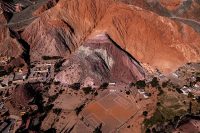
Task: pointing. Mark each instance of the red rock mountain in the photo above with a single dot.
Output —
(156, 41)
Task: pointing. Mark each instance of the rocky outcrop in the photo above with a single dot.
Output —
(151, 39)
(97, 61)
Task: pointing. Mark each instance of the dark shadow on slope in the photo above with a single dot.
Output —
(122, 49)
(128, 54)
(26, 53)
(26, 48)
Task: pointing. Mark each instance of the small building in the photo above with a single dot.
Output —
(112, 84)
(141, 91)
(146, 95)
(193, 79)
(112, 90)
(186, 90)
(19, 76)
(175, 75)
(1, 105)
(197, 85)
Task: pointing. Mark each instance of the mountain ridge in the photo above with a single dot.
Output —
(119, 18)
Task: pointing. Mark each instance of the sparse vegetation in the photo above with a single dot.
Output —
(156, 118)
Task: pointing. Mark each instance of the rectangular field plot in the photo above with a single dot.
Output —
(111, 110)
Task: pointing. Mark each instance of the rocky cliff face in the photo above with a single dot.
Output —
(8, 45)
(157, 41)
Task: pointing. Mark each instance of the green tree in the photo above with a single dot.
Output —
(154, 82)
(145, 113)
(87, 90)
(104, 86)
(140, 84)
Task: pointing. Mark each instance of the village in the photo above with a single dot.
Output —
(39, 72)
(131, 99)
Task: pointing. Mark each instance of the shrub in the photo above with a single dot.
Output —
(128, 92)
(98, 129)
(164, 84)
(75, 86)
(104, 86)
(154, 82)
(95, 93)
(57, 111)
(145, 113)
(148, 130)
(156, 118)
(79, 109)
(87, 90)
